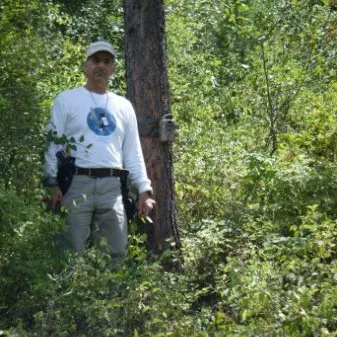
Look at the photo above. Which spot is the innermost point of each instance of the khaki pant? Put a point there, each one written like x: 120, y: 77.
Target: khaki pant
x: 95, y: 214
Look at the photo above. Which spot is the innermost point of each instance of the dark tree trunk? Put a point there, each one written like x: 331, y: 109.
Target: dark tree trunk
x: 147, y: 89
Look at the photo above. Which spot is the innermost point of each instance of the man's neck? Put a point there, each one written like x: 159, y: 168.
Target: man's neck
x: 99, y: 88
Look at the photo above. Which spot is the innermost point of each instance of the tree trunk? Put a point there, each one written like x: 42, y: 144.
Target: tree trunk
x: 147, y: 89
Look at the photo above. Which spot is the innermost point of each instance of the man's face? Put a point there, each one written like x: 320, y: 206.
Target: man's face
x: 99, y: 66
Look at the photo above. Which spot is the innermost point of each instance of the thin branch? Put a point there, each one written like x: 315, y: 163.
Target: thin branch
x: 272, y: 132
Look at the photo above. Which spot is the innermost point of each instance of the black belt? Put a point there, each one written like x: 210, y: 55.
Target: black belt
x: 100, y: 172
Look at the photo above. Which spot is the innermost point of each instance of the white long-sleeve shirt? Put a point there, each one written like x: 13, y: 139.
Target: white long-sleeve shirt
x: 105, y: 131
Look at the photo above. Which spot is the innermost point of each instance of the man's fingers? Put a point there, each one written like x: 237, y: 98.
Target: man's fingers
x: 145, y: 205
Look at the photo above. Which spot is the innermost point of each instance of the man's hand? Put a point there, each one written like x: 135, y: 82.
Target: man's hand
x: 145, y: 204
x: 54, y: 198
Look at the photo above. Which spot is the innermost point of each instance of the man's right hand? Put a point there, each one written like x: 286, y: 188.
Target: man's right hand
x: 54, y: 198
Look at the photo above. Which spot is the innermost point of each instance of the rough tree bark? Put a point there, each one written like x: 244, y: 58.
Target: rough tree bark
x: 147, y: 89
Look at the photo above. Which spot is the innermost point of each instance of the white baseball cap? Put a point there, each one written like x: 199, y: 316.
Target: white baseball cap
x: 97, y: 46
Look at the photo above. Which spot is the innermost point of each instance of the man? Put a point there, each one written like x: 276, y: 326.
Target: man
x: 104, y: 127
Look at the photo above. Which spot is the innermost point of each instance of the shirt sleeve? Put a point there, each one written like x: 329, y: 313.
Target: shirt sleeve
x: 56, y: 126
x: 133, y: 155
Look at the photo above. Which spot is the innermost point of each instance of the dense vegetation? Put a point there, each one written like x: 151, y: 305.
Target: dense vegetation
x: 254, y: 90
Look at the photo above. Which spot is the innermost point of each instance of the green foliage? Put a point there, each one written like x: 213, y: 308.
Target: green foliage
x: 27, y: 255
x: 253, y: 91
x: 20, y: 105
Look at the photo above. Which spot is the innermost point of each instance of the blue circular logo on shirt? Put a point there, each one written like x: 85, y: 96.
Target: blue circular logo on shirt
x: 101, y: 121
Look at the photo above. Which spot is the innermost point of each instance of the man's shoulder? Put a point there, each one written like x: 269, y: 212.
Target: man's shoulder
x: 118, y: 97
x: 70, y: 94
x: 120, y: 100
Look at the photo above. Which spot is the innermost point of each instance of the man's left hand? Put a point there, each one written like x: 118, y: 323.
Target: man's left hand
x: 145, y: 204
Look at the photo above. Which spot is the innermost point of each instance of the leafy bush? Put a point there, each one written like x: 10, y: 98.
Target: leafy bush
x: 27, y: 255
x: 253, y: 93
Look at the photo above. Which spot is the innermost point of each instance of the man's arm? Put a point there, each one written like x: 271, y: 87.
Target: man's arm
x: 135, y: 164
x: 133, y: 158
x: 55, y: 125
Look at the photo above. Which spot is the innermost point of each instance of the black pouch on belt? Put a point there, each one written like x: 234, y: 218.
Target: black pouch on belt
x: 129, y: 203
x: 66, y: 170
